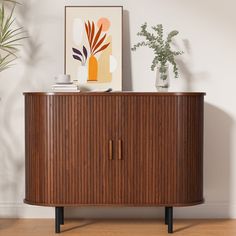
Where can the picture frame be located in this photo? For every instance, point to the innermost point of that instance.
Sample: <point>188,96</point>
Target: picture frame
<point>93,46</point>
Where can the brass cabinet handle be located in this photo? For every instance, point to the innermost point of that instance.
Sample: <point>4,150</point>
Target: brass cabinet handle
<point>119,149</point>
<point>110,150</point>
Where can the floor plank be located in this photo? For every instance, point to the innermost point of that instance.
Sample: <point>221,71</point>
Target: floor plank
<point>45,227</point>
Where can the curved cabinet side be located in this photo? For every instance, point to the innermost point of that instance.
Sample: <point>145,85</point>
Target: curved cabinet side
<point>37,155</point>
<point>163,150</point>
<point>57,133</point>
<point>189,166</point>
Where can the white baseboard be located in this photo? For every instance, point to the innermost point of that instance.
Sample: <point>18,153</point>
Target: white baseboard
<point>21,210</point>
<point>207,210</point>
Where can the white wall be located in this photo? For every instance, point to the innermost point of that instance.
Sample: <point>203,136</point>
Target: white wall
<point>207,35</point>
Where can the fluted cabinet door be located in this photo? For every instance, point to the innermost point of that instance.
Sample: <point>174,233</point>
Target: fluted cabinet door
<point>57,149</point>
<point>105,177</point>
<point>162,149</point>
<point>149,131</point>
<point>71,150</point>
<point>130,156</point>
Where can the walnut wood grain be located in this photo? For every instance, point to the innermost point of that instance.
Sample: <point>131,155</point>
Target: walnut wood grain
<point>157,149</point>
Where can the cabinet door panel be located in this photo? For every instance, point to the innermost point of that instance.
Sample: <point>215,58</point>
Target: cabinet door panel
<point>149,131</point>
<point>104,125</point>
<point>82,172</point>
<point>70,141</point>
<point>131,181</point>
<point>137,159</point>
<point>57,149</point>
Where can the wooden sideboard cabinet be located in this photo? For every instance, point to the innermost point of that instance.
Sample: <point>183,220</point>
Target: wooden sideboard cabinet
<point>114,149</point>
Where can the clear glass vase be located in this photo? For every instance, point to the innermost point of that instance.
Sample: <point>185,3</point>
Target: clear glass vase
<point>162,78</point>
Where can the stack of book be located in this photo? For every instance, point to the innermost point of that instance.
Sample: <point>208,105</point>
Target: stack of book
<point>65,87</point>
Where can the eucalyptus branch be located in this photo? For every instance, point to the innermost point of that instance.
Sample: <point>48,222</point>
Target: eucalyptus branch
<point>161,47</point>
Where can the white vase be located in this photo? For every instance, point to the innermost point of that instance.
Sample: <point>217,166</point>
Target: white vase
<point>162,78</point>
<point>82,74</point>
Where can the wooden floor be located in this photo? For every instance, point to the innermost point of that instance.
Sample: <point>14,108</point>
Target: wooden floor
<point>41,227</point>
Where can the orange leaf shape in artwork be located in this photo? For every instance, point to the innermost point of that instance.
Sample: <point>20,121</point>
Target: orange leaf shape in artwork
<point>92,34</point>
<point>96,37</point>
<point>102,48</point>
<point>89,26</point>
<point>99,43</point>
<point>86,28</point>
<point>89,29</point>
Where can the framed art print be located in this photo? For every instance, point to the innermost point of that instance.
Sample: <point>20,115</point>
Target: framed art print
<point>93,46</point>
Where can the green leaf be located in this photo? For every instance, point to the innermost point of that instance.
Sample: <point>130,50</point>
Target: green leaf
<point>160,46</point>
<point>10,36</point>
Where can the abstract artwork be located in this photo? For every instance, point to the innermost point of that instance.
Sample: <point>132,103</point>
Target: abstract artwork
<point>93,46</point>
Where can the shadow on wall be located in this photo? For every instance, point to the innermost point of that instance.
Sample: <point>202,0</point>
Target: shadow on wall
<point>126,69</point>
<point>11,105</point>
<point>188,76</point>
<point>33,47</point>
<point>217,160</point>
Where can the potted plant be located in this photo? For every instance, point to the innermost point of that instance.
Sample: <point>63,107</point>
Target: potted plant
<point>10,35</point>
<point>164,55</point>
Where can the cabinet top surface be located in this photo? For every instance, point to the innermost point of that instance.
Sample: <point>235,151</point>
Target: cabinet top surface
<point>128,93</point>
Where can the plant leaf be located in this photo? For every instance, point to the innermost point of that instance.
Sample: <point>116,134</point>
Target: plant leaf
<point>77,58</point>
<point>4,58</point>
<point>11,1</point>
<point>17,39</point>
<point>8,22</point>
<point>5,65</point>
<point>8,50</point>
<point>97,37</point>
<point>12,33</point>
<point>102,48</point>
<point>85,52</point>
<point>9,36</point>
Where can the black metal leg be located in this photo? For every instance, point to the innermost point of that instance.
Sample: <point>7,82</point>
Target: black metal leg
<point>59,218</point>
<point>166,216</point>
<point>170,219</point>
<point>62,215</point>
